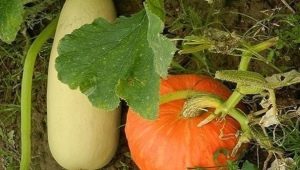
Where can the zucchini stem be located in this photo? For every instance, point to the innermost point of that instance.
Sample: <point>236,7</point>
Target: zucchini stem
<point>26,92</point>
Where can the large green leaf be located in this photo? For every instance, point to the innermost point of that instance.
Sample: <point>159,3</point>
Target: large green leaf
<point>156,7</point>
<point>11,17</point>
<point>162,47</point>
<point>107,61</point>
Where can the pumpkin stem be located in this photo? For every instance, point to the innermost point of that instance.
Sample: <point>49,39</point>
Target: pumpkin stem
<point>229,105</point>
<point>178,95</point>
<point>253,50</point>
<point>198,104</point>
<point>236,96</point>
<point>196,100</point>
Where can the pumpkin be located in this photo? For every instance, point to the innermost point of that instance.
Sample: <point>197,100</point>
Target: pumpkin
<point>80,135</point>
<point>173,142</point>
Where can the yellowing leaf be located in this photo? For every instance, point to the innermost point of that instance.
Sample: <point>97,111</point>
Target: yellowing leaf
<point>269,119</point>
<point>284,79</point>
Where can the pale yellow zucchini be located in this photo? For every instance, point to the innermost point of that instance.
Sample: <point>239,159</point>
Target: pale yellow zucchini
<point>80,136</point>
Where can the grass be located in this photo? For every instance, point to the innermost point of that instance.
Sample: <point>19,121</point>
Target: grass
<point>11,64</point>
<point>289,137</point>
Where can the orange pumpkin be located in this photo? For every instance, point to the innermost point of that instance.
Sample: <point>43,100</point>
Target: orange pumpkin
<point>172,142</point>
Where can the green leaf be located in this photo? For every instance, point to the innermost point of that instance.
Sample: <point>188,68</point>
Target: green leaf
<point>156,7</point>
<point>11,17</point>
<point>163,48</point>
<point>121,60</point>
<point>249,166</point>
<point>108,61</point>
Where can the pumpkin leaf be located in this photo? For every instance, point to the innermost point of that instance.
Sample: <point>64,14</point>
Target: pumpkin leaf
<point>11,18</point>
<point>284,79</point>
<point>156,7</point>
<point>111,61</point>
<point>163,49</point>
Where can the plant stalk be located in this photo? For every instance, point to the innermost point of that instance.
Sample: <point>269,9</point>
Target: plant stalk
<point>236,96</point>
<point>246,56</point>
<point>26,92</point>
<point>185,94</point>
<point>241,118</point>
<point>215,102</point>
<point>178,95</point>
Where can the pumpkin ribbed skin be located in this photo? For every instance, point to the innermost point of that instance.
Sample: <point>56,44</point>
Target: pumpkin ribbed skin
<point>172,142</point>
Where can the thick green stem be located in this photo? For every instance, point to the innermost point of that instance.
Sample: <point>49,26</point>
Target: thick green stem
<point>212,101</point>
<point>209,100</point>
<point>245,60</point>
<point>230,103</point>
<point>241,118</point>
<point>26,93</point>
<point>236,96</point>
<point>178,95</point>
<point>246,56</point>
